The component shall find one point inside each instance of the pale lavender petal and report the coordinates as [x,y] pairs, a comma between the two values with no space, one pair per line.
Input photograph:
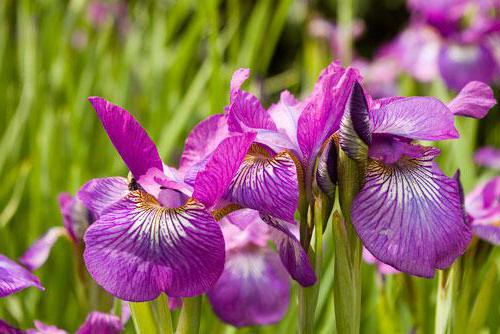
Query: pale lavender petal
[382,268]
[355,134]
[130,140]
[267,184]
[292,255]
[5,328]
[254,289]
[488,156]
[213,180]
[474,100]
[203,140]
[138,249]
[98,194]
[244,228]
[461,63]
[422,118]
[483,206]
[410,215]
[170,192]
[76,217]
[14,278]
[285,115]
[245,112]
[41,328]
[390,149]
[101,323]
[39,251]
[322,111]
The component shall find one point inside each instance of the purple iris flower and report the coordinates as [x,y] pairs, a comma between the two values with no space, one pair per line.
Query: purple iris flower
[408,214]
[95,323]
[437,43]
[14,278]
[155,233]
[483,203]
[76,219]
[254,288]
[278,169]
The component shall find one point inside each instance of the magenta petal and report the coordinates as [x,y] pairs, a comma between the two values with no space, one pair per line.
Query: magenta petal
[254,289]
[322,111]
[130,140]
[488,156]
[137,249]
[483,206]
[474,100]
[101,323]
[292,255]
[382,268]
[410,215]
[98,194]
[213,180]
[267,184]
[41,328]
[422,118]
[39,251]
[5,328]
[14,278]
[76,217]
[245,112]
[203,140]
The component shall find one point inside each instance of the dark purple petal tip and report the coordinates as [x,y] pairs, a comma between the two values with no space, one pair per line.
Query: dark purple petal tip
[326,173]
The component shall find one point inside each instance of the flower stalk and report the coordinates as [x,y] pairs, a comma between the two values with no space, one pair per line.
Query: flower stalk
[189,319]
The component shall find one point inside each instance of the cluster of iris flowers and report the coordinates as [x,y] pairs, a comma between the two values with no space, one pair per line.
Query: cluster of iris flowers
[252,175]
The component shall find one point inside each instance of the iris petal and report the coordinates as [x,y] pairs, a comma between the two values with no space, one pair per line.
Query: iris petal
[14,278]
[39,251]
[138,249]
[98,194]
[267,184]
[98,322]
[137,150]
[254,289]
[410,215]
[422,118]
[292,255]
[474,100]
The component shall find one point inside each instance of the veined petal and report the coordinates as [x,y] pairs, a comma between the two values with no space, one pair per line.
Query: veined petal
[292,255]
[488,156]
[267,184]
[137,249]
[322,111]
[39,251]
[422,118]
[355,135]
[245,112]
[14,278]
[98,194]
[213,180]
[76,217]
[285,115]
[244,228]
[203,140]
[137,150]
[101,323]
[410,215]
[254,289]
[474,100]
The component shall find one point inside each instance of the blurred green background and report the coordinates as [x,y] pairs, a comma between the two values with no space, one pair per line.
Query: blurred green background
[169,63]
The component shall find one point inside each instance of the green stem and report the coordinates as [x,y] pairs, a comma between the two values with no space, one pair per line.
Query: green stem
[347,267]
[143,318]
[162,314]
[345,10]
[189,319]
[448,285]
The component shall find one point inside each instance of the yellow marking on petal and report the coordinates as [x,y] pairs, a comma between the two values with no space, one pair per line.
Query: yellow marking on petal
[221,213]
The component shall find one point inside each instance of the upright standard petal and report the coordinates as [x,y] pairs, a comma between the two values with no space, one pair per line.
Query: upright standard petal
[76,217]
[474,100]
[130,140]
[292,255]
[39,251]
[14,278]
[267,184]
[213,180]
[101,323]
[488,156]
[410,215]
[254,289]
[138,249]
[203,140]
[98,194]
[422,118]
[483,206]
[322,111]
